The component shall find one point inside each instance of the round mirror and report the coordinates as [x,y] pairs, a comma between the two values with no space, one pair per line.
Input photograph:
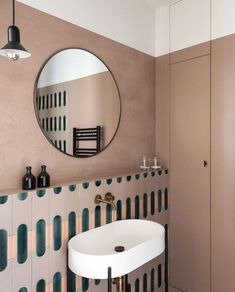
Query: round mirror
[77,103]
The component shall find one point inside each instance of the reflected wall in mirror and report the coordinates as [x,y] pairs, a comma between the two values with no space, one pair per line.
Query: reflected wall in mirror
[77,103]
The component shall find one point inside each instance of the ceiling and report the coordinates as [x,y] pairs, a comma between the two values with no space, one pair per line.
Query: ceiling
[156,3]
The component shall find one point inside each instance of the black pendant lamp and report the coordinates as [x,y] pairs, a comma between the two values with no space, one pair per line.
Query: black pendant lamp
[13,50]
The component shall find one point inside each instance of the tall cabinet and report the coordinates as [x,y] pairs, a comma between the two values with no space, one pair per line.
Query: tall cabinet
[223,164]
[190,174]
[202,151]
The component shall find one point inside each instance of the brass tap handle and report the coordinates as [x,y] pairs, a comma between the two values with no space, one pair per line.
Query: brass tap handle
[108,199]
[98,199]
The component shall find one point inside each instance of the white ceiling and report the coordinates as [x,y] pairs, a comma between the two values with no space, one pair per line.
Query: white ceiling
[156,3]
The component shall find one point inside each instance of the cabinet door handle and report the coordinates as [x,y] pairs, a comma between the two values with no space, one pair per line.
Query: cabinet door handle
[205,163]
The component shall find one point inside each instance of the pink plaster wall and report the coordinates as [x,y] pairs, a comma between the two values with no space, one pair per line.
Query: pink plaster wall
[22,142]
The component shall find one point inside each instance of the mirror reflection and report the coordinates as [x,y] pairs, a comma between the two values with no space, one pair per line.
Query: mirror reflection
[77,103]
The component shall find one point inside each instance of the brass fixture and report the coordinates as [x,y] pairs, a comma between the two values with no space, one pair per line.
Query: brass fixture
[108,199]
[119,282]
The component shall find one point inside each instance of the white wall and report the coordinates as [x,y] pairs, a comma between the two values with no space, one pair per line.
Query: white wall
[69,65]
[192,22]
[130,22]
[189,23]
[223,18]
[162,30]
[139,26]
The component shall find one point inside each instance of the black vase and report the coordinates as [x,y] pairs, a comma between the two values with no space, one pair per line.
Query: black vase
[43,178]
[28,180]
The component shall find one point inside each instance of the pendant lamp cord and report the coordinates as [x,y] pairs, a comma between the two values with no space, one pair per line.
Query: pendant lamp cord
[13,12]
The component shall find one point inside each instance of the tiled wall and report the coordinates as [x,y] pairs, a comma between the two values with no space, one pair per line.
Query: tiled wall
[52,113]
[35,228]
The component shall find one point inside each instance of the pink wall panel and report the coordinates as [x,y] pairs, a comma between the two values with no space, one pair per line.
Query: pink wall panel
[22,142]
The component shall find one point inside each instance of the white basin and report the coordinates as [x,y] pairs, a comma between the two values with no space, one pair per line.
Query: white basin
[92,252]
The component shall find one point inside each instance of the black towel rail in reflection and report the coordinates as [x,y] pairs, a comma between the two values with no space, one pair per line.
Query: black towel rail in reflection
[86,134]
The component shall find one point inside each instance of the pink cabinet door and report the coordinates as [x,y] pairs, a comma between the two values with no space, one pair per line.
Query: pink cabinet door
[189,178]
[223,164]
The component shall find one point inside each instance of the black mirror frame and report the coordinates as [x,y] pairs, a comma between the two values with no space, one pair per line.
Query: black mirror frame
[35,106]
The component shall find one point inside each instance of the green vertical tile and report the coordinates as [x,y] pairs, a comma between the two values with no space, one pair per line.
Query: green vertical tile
[22,196]
[60,99]
[41,286]
[98,183]
[3,199]
[109,181]
[57,230]
[57,282]
[85,185]
[72,224]
[119,180]
[51,123]
[57,190]
[145,174]
[43,102]
[137,285]
[137,176]
[152,203]
[159,201]
[152,287]
[23,289]
[97,282]
[71,282]
[128,208]
[145,205]
[22,243]
[39,102]
[85,284]
[145,283]
[85,220]
[72,188]
[41,193]
[3,249]
[119,210]
[137,207]
[55,100]
[47,101]
[51,101]
[108,213]
[60,123]
[64,123]
[97,216]
[47,127]
[40,237]
[128,178]
[153,173]
[166,198]
[64,98]
[159,271]
[55,124]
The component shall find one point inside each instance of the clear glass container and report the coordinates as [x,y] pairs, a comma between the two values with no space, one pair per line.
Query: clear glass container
[144,165]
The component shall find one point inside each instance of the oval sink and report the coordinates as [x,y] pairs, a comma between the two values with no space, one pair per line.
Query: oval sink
[92,252]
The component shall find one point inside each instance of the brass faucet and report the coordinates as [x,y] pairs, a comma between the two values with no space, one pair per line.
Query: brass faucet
[108,199]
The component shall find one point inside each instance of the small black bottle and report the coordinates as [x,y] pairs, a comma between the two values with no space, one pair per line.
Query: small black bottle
[43,178]
[28,180]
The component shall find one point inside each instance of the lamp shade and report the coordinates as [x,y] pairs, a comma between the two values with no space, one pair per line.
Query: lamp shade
[13,50]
